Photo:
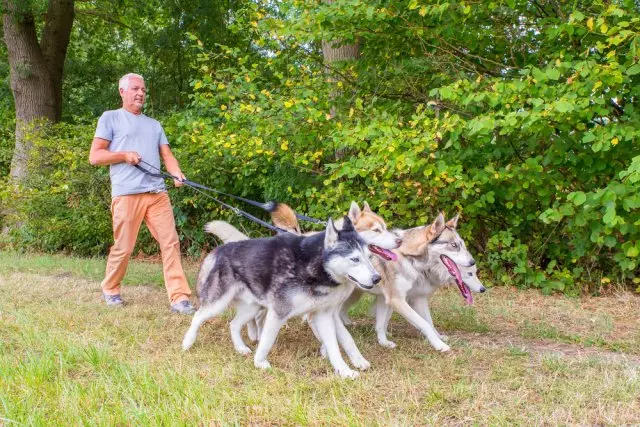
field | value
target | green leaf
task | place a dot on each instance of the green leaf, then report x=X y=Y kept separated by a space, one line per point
x=609 y=216
x=597 y=146
x=633 y=70
x=553 y=73
x=610 y=241
x=538 y=74
x=632 y=251
x=578 y=198
x=563 y=106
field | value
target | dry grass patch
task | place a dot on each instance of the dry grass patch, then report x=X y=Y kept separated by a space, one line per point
x=65 y=358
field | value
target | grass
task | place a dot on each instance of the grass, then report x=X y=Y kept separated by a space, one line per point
x=518 y=358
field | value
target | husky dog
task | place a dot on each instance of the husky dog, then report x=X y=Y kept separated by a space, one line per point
x=430 y=257
x=291 y=276
x=367 y=223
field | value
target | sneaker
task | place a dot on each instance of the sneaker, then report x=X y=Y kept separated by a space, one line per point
x=113 y=300
x=183 y=307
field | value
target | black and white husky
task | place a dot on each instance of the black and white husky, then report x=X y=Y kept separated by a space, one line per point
x=290 y=276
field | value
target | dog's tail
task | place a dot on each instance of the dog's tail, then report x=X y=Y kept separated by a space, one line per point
x=284 y=217
x=225 y=231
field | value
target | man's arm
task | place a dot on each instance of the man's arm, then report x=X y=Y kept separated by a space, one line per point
x=100 y=155
x=171 y=163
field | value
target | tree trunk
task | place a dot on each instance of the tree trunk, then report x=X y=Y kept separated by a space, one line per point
x=36 y=70
x=333 y=51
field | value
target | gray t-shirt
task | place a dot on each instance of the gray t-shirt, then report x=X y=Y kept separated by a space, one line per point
x=131 y=132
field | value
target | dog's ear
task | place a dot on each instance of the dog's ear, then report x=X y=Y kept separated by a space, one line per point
x=366 y=207
x=453 y=222
x=347 y=225
x=354 y=212
x=331 y=235
x=436 y=228
x=414 y=241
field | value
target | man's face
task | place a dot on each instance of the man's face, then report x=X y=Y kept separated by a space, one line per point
x=133 y=97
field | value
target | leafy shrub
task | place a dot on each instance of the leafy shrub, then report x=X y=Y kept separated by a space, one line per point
x=538 y=150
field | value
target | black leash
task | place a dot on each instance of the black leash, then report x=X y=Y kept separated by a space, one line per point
x=199 y=187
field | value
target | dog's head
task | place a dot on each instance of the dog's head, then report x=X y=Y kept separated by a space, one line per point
x=374 y=231
x=346 y=256
x=445 y=254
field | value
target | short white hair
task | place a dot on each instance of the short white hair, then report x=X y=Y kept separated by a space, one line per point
x=124 y=81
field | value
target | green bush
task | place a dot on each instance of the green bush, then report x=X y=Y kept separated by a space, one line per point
x=540 y=156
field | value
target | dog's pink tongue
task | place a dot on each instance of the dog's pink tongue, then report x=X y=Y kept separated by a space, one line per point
x=390 y=254
x=383 y=253
x=469 y=296
x=453 y=270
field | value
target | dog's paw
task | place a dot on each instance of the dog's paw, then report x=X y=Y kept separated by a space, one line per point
x=187 y=342
x=262 y=364
x=348 y=373
x=444 y=348
x=387 y=343
x=243 y=350
x=361 y=363
x=323 y=351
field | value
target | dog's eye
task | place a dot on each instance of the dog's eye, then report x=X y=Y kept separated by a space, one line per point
x=454 y=245
x=355 y=259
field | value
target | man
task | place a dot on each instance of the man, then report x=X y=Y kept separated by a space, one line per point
x=123 y=138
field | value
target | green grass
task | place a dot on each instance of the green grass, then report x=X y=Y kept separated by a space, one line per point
x=65 y=359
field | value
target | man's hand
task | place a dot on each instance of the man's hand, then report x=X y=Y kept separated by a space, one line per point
x=131 y=157
x=179 y=183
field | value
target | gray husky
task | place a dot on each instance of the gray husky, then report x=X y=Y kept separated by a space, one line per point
x=290 y=276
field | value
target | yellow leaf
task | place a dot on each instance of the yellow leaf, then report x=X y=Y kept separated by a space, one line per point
x=288 y=104
x=614 y=141
x=590 y=24
x=223 y=107
x=351 y=111
x=284 y=146
x=221 y=86
x=604 y=28
x=198 y=85
x=423 y=11
x=247 y=78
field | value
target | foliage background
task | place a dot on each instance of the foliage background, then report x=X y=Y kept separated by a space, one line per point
x=522 y=115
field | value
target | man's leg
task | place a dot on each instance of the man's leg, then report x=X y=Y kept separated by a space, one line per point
x=127 y=213
x=161 y=224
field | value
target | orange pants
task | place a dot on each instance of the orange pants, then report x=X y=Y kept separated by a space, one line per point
x=128 y=213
